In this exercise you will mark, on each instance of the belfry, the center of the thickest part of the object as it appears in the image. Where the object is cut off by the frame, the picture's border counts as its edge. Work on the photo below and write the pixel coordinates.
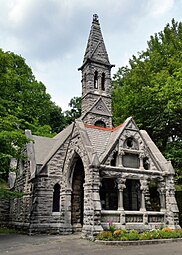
(96, 80)
(91, 172)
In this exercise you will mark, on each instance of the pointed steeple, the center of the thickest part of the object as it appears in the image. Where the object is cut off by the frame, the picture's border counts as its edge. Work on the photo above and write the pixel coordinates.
(96, 79)
(96, 49)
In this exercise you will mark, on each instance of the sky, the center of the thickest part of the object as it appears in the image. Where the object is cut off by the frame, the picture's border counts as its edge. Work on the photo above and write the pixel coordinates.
(51, 35)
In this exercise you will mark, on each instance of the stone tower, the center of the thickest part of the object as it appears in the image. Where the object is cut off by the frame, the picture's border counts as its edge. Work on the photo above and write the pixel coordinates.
(96, 80)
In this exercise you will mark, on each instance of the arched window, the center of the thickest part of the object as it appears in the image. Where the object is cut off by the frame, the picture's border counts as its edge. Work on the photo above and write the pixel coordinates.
(103, 81)
(96, 80)
(56, 198)
(100, 123)
(114, 159)
(146, 163)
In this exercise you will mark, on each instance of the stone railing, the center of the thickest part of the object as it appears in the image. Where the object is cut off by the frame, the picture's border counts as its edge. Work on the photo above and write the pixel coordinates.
(132, 219)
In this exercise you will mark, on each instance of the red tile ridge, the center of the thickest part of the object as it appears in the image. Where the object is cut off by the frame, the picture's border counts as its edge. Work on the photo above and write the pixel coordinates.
(103, 128)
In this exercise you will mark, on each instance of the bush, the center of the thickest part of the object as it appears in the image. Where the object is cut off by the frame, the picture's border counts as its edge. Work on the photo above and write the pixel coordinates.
(105, 235)
(132, 235)
(166, 229)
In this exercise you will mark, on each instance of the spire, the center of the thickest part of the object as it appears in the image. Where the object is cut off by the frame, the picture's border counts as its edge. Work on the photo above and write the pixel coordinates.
(96, 50)
(96, 80)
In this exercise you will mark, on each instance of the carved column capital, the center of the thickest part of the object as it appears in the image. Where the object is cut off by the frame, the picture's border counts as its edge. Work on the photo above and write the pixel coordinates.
(144, 185)
(121, 184)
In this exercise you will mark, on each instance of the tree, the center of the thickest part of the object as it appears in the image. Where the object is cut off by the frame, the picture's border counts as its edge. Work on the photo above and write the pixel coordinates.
(74, 112)
(24, 104)
(150, 90)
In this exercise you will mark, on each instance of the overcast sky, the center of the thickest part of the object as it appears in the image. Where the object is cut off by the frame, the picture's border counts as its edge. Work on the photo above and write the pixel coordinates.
(52, 35)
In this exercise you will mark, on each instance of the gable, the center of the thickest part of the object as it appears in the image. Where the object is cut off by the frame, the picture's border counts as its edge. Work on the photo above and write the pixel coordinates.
(100, 108)
(135, 150)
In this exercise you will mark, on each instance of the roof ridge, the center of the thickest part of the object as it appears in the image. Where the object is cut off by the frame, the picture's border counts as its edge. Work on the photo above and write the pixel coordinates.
(103, 128)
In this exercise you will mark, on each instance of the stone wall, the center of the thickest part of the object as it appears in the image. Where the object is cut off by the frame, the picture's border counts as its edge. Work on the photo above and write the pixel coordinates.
(4, 212)
(179, 202)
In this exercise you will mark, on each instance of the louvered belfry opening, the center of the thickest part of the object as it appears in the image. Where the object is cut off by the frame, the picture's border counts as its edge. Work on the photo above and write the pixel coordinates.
(77, 199)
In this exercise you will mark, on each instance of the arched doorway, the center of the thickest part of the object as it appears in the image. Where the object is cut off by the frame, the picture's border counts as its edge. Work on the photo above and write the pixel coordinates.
(77, 198)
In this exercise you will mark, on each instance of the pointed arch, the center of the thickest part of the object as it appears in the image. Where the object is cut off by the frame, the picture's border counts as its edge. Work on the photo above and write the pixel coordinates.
(56, 198)
(77, 196)
(103, 81)
(96, 80)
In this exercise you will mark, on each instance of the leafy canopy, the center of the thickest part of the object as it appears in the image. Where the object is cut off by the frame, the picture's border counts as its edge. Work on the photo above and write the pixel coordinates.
(150, 90)
(24, 104)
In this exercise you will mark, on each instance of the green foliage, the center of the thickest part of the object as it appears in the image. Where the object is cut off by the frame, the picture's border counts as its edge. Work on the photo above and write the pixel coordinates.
(5, 193)
(134, 235)
(24, 104)
(74, 112)
(150, 90)
(11, 231)
(105, 236)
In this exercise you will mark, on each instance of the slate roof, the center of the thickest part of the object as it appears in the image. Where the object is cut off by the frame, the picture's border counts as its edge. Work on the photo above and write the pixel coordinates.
(45, 147)
(42, 146)
(160, 159)
(96, 140)
(103, 139)
(99, 138)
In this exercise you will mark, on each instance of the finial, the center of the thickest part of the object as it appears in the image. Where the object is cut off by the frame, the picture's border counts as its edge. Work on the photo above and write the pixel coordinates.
(95, 17)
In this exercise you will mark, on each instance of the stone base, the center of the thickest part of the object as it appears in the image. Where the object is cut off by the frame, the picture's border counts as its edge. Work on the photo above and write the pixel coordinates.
(53, 228)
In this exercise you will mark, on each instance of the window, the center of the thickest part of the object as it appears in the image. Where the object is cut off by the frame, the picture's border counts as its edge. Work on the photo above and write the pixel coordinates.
(114, 159)
(100, 123)
(109, 194)
(154, 204)
(56, 198)
(146, 163)
(131, 143)
(103, 81)
(96, 80)
(131, 160)
(132, 195)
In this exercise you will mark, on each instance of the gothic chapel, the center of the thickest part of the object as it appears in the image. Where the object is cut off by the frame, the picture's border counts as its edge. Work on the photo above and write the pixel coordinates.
(91, 172)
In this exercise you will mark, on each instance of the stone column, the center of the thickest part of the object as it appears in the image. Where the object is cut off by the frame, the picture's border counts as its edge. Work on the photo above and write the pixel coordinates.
(67, 206)
(141, 156)
(171, 204)
(162, 193)
(121, 187)
(143, 188)
(92, 204)
(120, 158)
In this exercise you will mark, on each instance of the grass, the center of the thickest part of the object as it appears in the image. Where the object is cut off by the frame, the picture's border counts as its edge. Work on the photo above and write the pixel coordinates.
(4, 230)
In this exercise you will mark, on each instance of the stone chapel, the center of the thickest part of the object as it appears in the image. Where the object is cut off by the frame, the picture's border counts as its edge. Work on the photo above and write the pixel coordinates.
(91, 172)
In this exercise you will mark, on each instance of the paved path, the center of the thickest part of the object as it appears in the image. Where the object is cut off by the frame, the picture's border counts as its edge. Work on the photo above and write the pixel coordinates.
(73, 245)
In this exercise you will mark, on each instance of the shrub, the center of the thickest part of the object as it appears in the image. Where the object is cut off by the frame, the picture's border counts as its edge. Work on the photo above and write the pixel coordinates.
(124, 238)
(117, 233)
(179, 232)
(105, 235)
(133, 235)
(166, 229)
